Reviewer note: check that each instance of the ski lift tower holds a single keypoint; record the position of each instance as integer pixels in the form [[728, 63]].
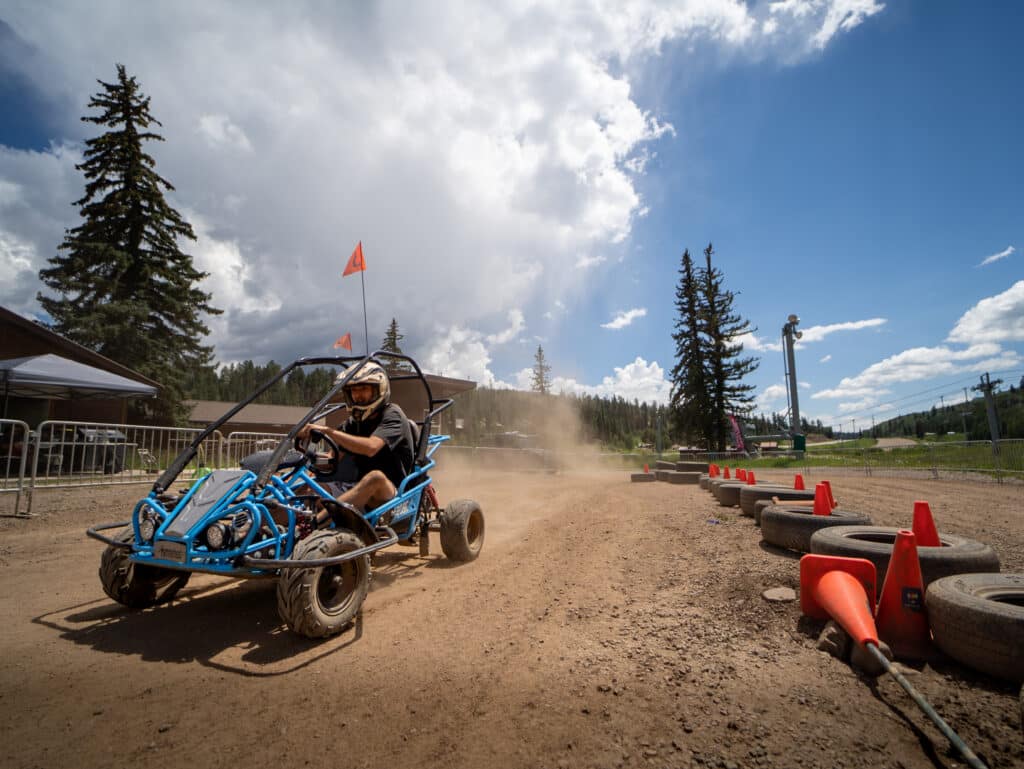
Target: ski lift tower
[[789, 337]]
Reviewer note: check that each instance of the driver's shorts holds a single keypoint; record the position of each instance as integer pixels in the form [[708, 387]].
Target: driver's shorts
[[337, 488]]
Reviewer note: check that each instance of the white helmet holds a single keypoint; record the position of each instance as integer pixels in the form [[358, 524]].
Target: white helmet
[[370, 374]]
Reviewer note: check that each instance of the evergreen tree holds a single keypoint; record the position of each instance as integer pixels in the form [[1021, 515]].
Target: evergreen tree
[[540, 383], [125, 288], [690, 398], [392, 337], [725, 366]]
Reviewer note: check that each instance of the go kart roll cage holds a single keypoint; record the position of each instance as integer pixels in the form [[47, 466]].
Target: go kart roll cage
[[352, 364]]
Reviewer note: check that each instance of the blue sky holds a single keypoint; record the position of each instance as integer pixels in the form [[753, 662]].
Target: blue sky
[[524, 175]]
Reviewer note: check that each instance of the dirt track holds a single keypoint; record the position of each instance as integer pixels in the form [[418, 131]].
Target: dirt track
[[606, 624]]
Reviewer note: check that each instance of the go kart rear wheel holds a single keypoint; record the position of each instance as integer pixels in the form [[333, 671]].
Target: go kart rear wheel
[[462, 530], [322, 601], [136, 585]]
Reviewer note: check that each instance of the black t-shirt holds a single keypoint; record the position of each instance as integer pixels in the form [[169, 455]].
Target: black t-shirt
[[395, 458]]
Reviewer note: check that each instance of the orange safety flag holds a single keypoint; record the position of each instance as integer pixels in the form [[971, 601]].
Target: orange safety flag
[[344, 341], [356, 262]]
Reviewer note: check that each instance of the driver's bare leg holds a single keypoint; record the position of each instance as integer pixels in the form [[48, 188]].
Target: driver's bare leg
[[372, 490]]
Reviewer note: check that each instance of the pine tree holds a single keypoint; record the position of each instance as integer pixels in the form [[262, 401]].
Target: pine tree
[[125, 288], [392, 337], [725, 366], [540, 382], [690, 399]]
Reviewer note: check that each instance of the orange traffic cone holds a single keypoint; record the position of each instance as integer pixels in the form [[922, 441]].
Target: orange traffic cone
[[712, 471], [901, 619], [741, 474], [646, 468], [798, 482], [751, 480], [831, 499], [725, 475], [822, 505], [842, 589], [924, 526]]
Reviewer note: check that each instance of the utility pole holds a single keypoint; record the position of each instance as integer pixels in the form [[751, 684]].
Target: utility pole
[[965, 412], [986, 388]]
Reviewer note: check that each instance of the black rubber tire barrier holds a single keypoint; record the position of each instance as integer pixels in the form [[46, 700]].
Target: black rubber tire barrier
[[642, 477], [760, 505], [703, 482], [792, 527], [729, 493], [715, 483], [676, 476], [692, 467], [661, 464], [978, 619], [662, 475], [958, 555], [751, 494]]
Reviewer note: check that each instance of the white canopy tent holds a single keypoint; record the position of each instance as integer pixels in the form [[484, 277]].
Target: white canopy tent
[[51, 376]]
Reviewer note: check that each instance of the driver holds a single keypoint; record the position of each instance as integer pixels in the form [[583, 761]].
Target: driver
[[376, 435]]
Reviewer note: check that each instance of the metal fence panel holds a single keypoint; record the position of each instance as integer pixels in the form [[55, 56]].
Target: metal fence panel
[[69, 454], [14, 451]]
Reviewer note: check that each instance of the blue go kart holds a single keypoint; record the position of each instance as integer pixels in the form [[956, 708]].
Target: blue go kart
[[260, 520]]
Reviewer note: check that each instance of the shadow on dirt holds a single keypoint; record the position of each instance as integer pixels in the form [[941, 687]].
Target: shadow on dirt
[[402, 563], [793, 555], [227, 625]]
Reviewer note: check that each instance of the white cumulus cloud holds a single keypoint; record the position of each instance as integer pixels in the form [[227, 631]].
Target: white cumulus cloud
[[516, 325], [623, 319], [481, 148], [813, 334], [921, 363], [998, 318], [638, 380], [220, 132]]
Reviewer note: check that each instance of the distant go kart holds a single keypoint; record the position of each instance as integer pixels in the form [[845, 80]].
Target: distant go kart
[[223, 524]]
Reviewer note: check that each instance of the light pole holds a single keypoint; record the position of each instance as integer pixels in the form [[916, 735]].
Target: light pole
[[789, 335]]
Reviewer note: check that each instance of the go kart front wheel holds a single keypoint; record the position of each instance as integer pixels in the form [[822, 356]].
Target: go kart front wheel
[[136, 585], [322, 600]]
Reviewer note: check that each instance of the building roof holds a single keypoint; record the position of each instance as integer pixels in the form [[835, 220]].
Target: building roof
[[64, 347], [204, 412]]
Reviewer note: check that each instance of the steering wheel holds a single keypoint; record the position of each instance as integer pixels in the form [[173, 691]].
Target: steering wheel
[[310, 454]]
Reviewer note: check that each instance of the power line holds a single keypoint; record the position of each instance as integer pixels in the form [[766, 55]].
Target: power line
[[908, 402]]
